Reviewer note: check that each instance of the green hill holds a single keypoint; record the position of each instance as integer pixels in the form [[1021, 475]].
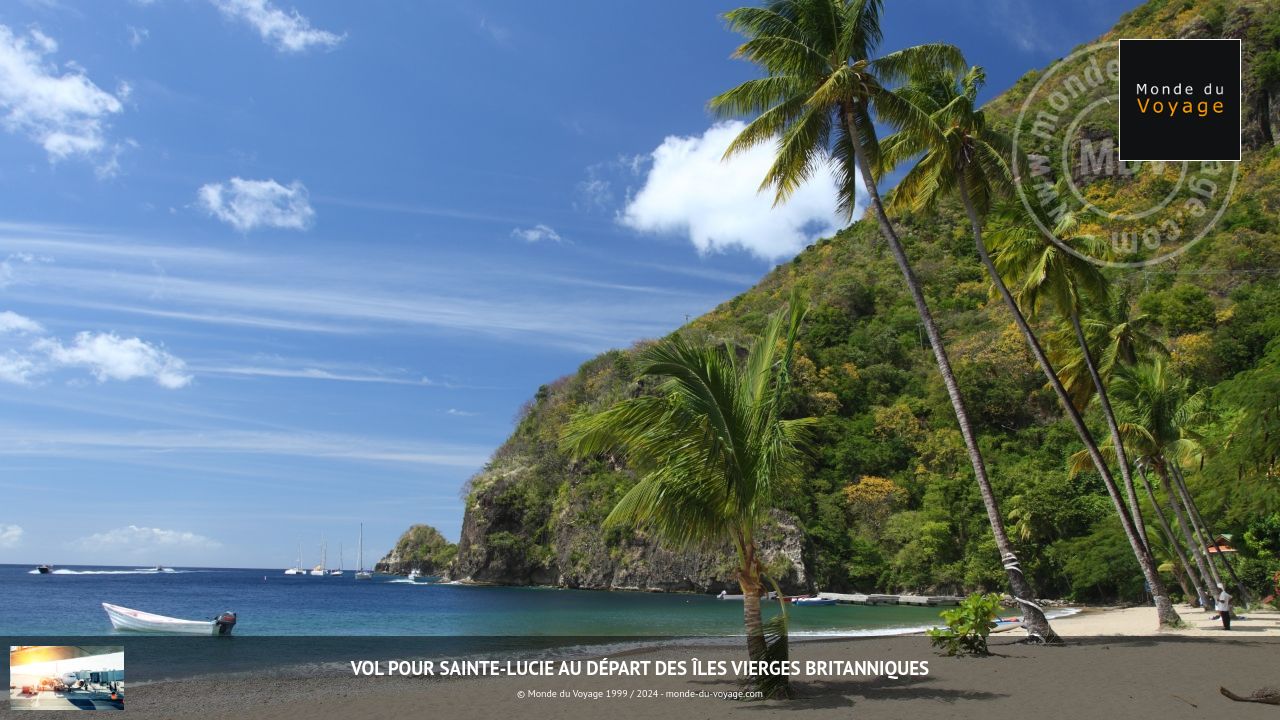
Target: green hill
[[888, 502]]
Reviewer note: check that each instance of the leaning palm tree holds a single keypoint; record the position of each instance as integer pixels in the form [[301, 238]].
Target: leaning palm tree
[[1044, 273], [711, 450], [1162, 415], [821, 87], [960, 154]]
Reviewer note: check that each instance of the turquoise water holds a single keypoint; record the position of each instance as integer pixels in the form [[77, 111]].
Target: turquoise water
[[68, 602]]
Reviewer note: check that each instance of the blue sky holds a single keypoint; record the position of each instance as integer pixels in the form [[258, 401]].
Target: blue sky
[[269, 269]]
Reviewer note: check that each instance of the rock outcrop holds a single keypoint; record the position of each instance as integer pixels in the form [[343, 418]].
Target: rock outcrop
[[420, 548]]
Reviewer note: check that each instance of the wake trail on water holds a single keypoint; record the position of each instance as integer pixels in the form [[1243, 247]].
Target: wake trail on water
[[139, 571]]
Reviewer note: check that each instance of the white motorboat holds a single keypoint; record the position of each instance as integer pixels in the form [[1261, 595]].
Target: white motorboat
[[123, 618]]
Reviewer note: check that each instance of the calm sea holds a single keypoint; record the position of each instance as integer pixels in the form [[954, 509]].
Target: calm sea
[[69, 602]]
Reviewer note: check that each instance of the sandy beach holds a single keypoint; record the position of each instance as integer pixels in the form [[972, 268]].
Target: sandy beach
[[1112, 665]]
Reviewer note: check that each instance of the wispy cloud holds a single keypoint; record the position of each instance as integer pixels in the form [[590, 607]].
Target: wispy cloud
[[691, 190], [61, 109], [249, 204], [143, 541], [287, 31], [349, 294], [137, 35], [461, 413], [537, 233], [10, 536], [312, 373], [29, 441]]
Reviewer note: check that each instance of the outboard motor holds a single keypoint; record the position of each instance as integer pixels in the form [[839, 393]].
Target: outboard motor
[[225, 622]]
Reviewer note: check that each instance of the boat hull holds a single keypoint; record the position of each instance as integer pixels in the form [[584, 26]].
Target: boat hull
[[127, 619]]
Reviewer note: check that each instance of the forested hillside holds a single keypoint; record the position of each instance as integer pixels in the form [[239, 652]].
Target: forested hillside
[[888, 501]]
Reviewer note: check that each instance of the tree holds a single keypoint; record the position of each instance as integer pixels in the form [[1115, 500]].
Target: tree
[[1045, 273], [960, 154], [710, 449], [821, 86], [1163, 416]]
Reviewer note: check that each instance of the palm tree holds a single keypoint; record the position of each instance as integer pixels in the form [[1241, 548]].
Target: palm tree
[[711, 450], [1175, 547], [959, 153], [1046, 273], [1166, 415], [821, 85]]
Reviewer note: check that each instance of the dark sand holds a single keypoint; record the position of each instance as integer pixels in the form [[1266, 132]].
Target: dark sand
[[1165, 677]]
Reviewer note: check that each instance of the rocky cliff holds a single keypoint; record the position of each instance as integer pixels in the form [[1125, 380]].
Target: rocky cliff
[[420, 548]]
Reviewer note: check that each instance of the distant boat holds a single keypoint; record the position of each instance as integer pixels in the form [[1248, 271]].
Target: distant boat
[[361, 573], [44, 569], [414, 576], [813, 601], [160, 568], [319, 569], [123, 618], [297, 569], [339, 570]]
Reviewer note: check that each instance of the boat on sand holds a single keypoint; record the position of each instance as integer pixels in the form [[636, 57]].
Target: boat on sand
[[123, 618]]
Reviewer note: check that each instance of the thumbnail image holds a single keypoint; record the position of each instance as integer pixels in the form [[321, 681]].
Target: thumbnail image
[[66, 677]]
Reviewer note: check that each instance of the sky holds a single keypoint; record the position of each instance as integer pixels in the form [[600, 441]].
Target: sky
[[272, 268]]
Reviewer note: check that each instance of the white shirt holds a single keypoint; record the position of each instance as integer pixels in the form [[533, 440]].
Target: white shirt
[[1224, 602]]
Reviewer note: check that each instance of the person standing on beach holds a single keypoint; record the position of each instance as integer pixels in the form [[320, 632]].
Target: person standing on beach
[[1223, 606]]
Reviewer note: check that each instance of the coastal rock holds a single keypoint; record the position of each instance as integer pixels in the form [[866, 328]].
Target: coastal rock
[[534, 518], [420, 548]]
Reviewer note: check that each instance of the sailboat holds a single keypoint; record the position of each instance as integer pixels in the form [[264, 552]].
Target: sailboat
[[338, 572], [319, 569], [297, 569], [361, 573]]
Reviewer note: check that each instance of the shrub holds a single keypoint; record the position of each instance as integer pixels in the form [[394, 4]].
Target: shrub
[[967, 626]]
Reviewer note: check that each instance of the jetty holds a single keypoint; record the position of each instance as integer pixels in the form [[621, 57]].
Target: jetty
[[876, 599]]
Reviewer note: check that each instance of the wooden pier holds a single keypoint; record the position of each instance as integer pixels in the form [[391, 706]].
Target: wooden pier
[[919, 600]]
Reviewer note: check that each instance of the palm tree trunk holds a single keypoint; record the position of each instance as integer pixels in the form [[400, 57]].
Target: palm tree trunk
[[1168, 617], [1122, 458], [749, 579], [1033, 619], [1162, 470], [1207, 534], [1201, 597]]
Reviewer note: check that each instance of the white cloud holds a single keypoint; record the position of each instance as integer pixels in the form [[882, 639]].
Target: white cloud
[[248, 204], [12, 322], [59, 108], [17, 369], [691, 190], [460, 413], [110, 357], [140, 540], [10, 536], [537, 233], [137, 35], [287, 31]]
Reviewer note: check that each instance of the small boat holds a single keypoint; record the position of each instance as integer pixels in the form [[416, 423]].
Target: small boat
[[44, 569], [160, 569], [319, 569], [339, 571], [813, 601], [123, 618], [297, 569], [361, 573]]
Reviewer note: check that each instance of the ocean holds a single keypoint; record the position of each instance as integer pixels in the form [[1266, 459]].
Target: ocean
[[69, 602]]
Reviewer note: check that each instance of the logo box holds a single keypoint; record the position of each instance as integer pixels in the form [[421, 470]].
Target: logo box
[[1180, 100]]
